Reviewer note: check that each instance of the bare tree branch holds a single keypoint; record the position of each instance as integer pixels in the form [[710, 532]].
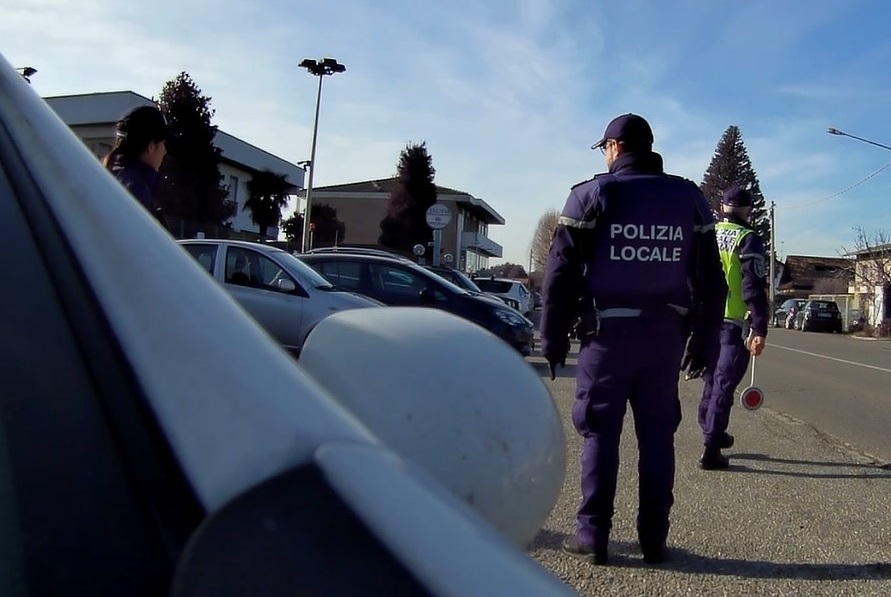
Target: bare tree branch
[[541, 240], [871, 263]]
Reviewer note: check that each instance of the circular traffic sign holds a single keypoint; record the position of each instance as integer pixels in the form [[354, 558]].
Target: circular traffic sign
[[751, 398], [438, 216]]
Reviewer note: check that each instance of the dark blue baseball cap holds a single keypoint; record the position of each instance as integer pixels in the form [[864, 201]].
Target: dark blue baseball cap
[[629, 128], [144, 123], [736, 196]]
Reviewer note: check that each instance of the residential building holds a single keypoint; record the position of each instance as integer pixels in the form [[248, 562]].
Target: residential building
[[92, 117], [871, 285], [362, 205], [803, 275]]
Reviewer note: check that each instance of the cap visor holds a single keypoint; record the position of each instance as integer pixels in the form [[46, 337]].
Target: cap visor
[[599, 144]]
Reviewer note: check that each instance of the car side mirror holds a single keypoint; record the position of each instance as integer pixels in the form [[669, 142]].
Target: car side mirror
[[427, 296], [286, 285]]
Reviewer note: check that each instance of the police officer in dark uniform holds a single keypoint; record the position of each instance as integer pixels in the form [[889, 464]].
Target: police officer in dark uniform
[[634, 264], [745, 322], [141, 138]]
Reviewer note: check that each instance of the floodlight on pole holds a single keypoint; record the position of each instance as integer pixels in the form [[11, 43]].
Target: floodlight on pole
[[27, 72], [834, 131], [317, 68]]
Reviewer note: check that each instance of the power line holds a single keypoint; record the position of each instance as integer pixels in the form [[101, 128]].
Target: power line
[[841, 192]]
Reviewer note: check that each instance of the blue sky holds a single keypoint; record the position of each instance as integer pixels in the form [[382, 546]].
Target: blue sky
[[510, 94]]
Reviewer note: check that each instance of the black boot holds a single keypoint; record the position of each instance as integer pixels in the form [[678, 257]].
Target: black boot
[[653, 553], [595, 555], [712, 459], [727, 441]]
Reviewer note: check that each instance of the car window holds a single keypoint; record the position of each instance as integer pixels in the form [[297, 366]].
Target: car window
[[496, 286], [206, 255], [346, 274], [306, 275], [394, 280], [824, 305], [246, 267]]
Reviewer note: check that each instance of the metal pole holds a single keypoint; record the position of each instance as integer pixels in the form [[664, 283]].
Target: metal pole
[[437, 245], [866, 141], [773, 257], [312, 170]]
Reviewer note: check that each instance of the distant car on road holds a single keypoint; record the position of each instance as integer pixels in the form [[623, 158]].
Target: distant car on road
[[819, 315], [284, 295]]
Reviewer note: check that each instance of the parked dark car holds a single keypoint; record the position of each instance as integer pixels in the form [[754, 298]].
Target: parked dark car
[[396, 282], [819, 316], [782, 312]]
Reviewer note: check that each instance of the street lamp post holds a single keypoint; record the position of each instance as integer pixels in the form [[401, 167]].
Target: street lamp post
[[834, 131], [317, 68]]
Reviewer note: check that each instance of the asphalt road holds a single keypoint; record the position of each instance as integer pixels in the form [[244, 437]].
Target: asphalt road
[[839, 385], [797, 513]]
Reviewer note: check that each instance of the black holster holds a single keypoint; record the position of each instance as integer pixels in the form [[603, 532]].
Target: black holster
[[588, 323]]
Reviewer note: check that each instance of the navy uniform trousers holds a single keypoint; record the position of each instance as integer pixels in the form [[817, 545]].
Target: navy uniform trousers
[[632, 360], [720, 385]]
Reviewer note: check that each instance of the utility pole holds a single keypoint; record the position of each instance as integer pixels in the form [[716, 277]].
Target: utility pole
[[773, 258]]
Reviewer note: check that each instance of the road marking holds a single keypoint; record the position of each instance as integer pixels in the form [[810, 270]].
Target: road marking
[[823, 356]]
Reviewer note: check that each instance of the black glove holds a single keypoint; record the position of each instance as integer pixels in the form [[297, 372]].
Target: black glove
[[553, 362], [556, 356], [694, 361]]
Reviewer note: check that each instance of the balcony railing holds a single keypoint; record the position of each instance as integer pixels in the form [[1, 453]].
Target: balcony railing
[[481, 244]]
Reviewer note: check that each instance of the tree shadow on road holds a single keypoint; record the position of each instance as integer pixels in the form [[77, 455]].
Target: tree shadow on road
[[858, 471], [626, 554]]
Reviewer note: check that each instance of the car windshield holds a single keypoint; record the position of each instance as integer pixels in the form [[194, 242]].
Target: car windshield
[[467, 282], [823, 306], [428, 275], [307, 275]]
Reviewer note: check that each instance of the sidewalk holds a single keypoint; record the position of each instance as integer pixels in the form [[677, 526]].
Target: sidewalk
[[797, 513]]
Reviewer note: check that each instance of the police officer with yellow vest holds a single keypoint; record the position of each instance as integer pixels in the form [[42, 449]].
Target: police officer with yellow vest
[[745, 322]]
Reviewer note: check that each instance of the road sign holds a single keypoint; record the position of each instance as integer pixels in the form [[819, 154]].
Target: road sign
[[438, 216]]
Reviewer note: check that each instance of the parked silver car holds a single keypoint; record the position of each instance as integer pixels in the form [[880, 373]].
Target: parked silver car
[[285, 296]]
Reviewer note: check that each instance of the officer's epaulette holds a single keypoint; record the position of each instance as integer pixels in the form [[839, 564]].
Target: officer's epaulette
[[578, 184], [683, 178]]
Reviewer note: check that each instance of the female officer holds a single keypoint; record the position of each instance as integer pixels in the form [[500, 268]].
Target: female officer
[[140, 147]]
